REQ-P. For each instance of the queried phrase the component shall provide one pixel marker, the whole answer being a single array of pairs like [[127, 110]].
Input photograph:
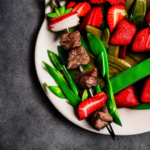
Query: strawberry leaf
[[68, 11], [57, 11], [52, 15], [85, 95], [62, 10]]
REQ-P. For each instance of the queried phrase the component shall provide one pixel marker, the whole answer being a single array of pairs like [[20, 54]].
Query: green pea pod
[[56, 91], [56, 61], [64, 57], [98, 48], [62, 10], [57, 11], [142, 106], [73, 99], [86, 67], [98, 88], [85, 45], [85, 95], [130, 76], [68, 11], [52, 15], [138, 13]]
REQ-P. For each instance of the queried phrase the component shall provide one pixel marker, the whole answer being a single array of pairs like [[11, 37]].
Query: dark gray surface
[[27, 119]]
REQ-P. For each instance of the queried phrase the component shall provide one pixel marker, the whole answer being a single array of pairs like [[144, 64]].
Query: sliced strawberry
[[116, 13], [90, 105], [141, 42], [127, 97], [71, 4], [93, 18], [122, 52], [147, 18], [115, 2], [123, 34], [82, 8], [145, 96], [97, 1]]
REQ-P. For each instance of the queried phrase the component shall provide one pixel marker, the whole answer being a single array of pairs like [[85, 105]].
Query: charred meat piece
[[78, 57], [87, 79], [101, 118], [70, 40]]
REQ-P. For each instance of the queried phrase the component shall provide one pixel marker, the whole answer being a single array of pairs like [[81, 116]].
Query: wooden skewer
[[110, 129]]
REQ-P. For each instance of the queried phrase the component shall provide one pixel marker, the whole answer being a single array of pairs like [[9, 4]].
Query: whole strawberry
[[141, 42], [145, 96], [147, 18], [116, 13], [127, 97], [123, 34]]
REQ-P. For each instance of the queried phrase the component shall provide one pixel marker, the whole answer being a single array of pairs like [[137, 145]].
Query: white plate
[[134, 121]]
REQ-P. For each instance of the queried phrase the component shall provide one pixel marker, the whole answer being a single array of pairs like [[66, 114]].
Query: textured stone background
[[28, 121]]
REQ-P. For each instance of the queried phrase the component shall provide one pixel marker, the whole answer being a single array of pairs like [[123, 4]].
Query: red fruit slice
[[122, 52], [90, 105], [145, 96], [147, 18], [82, 8], [141, 42], [123, 34], [97, 1], [116, 13], [71, 4], [93, 18], [127, 97], [116, 2]]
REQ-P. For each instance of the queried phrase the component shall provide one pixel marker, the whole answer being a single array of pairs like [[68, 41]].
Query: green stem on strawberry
[[99, 50]]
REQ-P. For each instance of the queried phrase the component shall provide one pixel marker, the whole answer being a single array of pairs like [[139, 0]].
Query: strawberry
[[123, 34], [141, 42], [116, 13], [122, 52], [90, 105], [82, 8], [93, 18], [147, 18], [115, 2], [97, 1], [145, 96], [71, 4], [127, 97]]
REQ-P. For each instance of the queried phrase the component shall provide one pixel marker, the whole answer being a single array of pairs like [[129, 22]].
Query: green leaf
[[52, 15], [68, 11], [56, 91], [62, 10], [57, 11], [85, 95]]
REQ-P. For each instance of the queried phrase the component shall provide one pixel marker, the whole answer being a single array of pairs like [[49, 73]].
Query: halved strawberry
[[93, 18], [141, 42], [82, 8], [71, 4], [122, 52], [123, 34], [115, 2], [97, 1], [145, 96], [127, 97], [147, 18], [90, 105], [116, 13]]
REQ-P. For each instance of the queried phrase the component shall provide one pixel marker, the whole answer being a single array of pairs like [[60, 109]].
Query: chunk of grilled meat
[[77, 57], [70, 40], [87, 79], [101, 118]]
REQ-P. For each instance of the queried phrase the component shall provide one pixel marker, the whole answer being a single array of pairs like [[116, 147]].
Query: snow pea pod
[[85, 45], [56, 91], [73, 99], [130, 76], [142, 106], [56, 61], [99, 50]]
